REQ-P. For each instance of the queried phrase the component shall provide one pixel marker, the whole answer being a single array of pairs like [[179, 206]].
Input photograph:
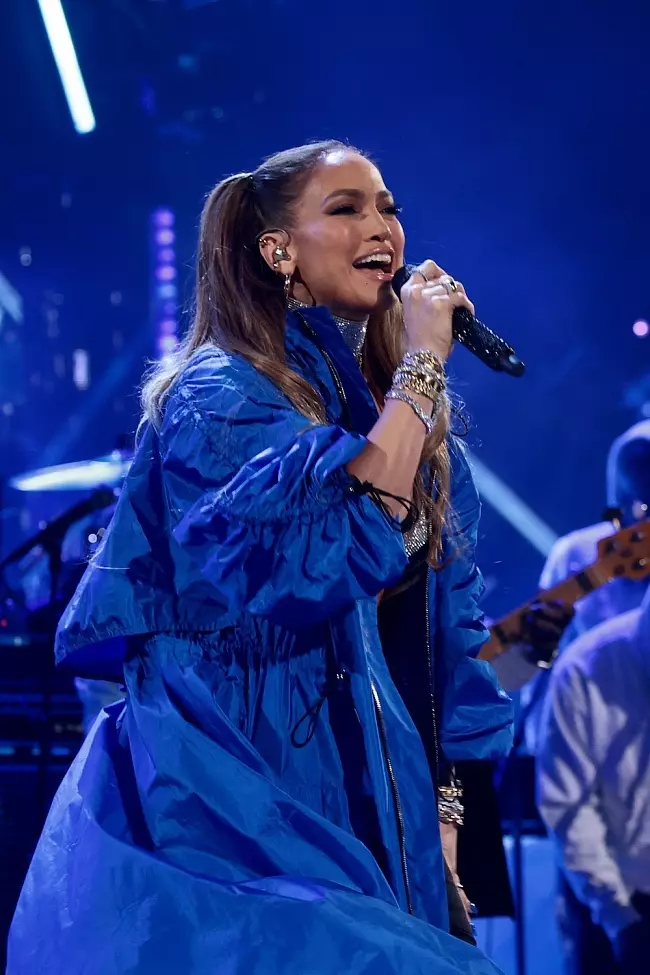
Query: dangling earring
[[287, 286]]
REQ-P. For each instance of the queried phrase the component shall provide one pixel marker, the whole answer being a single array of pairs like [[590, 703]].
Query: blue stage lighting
[[66, 61], [511, 507]]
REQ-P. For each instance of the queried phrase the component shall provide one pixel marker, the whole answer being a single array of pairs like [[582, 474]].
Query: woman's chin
[[386, 298], [383, 299], [362, 304]]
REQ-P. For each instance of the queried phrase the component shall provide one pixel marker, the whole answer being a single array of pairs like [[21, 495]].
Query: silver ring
[[423, 275], [449, 284]]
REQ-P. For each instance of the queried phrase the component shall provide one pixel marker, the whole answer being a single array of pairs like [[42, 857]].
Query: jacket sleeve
[[261, 500], [568, 798], [477, 715]]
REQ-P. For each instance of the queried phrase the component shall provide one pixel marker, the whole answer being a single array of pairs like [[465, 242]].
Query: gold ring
[[450, 284]]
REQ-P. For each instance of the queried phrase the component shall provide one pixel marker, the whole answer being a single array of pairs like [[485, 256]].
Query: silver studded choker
[[353, 333]]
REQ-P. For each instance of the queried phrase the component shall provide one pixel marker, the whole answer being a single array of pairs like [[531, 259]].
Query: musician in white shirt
[[628, 481], [594, 780], [588, 948], [628, 492]]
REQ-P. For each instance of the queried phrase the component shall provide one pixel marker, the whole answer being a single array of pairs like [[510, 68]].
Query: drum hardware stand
[[50, 539]]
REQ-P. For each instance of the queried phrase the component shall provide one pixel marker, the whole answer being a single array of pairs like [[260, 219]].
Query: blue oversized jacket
[[192, 834]]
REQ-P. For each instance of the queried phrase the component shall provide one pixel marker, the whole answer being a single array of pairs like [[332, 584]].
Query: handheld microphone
[[477, 338]]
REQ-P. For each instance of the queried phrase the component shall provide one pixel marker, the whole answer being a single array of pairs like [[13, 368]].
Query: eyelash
[[393, 210]]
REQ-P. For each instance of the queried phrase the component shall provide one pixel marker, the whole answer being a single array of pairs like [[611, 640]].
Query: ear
[[278, 252]]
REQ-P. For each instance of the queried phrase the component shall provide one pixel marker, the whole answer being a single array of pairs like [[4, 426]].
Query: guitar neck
[[625, 554], [506, 630]]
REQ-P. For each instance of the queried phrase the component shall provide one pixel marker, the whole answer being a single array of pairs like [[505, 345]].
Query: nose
[[378, 229]]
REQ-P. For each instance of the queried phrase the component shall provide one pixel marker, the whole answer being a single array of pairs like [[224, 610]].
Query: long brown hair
[[240, 307]]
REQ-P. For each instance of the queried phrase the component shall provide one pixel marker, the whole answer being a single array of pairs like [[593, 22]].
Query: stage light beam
[[65, 57], [511, 507]]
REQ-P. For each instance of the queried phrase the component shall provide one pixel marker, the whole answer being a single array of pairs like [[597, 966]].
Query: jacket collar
[[317, 326]]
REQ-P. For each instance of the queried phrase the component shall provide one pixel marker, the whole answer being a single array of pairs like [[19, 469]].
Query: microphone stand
[[52, 544]]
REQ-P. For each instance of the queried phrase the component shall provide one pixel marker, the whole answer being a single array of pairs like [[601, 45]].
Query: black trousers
[[586, 947]]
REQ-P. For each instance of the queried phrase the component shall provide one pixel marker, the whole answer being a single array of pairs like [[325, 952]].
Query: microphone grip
[[485, 344], [477, 338]]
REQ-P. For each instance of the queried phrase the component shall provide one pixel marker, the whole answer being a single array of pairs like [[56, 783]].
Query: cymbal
[[82, 475]]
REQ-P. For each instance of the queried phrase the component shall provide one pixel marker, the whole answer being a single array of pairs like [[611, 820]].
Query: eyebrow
[[355, 194]]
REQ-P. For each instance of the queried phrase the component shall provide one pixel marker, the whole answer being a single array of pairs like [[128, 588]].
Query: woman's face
[[346, 214]]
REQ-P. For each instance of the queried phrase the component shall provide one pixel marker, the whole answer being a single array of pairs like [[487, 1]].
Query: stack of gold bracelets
[[450, 806], [421, 372]]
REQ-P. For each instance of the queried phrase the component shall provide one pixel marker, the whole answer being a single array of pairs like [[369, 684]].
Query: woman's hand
[[429, 298], [449, 839], [464, 899]]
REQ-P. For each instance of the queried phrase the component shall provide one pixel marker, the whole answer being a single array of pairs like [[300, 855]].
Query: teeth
[[374, 258]]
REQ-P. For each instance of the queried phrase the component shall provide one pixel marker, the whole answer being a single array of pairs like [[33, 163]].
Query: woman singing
[[262, 802]]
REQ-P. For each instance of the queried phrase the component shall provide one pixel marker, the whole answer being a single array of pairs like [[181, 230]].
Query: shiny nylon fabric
[[476, 714], [166, 919], [190, 834]]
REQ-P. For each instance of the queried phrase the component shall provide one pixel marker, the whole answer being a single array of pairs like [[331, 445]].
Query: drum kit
[[99, 479], [40, 714]]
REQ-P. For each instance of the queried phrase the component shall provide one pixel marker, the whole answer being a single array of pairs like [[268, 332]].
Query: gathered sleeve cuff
[[289, 534]]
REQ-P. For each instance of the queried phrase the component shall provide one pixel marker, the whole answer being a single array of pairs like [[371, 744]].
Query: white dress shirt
[[569, 555], [594, 765]]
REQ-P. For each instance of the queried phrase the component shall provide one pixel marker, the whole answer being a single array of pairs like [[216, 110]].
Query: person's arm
[[532, 655], [449, 840], [393, 453], [560, 564], [261, 500], [517, 668], [568, 802]]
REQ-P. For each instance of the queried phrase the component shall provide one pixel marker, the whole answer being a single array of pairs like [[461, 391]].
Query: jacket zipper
[[332, 369], [397, 802], [379, 714], [434, 719]]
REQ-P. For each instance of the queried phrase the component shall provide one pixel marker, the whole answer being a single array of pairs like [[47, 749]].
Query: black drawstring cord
[[334, 682], [377, 495], [311, 716]]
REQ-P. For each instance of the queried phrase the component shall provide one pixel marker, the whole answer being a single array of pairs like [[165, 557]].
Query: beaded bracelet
[[404, 397]]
